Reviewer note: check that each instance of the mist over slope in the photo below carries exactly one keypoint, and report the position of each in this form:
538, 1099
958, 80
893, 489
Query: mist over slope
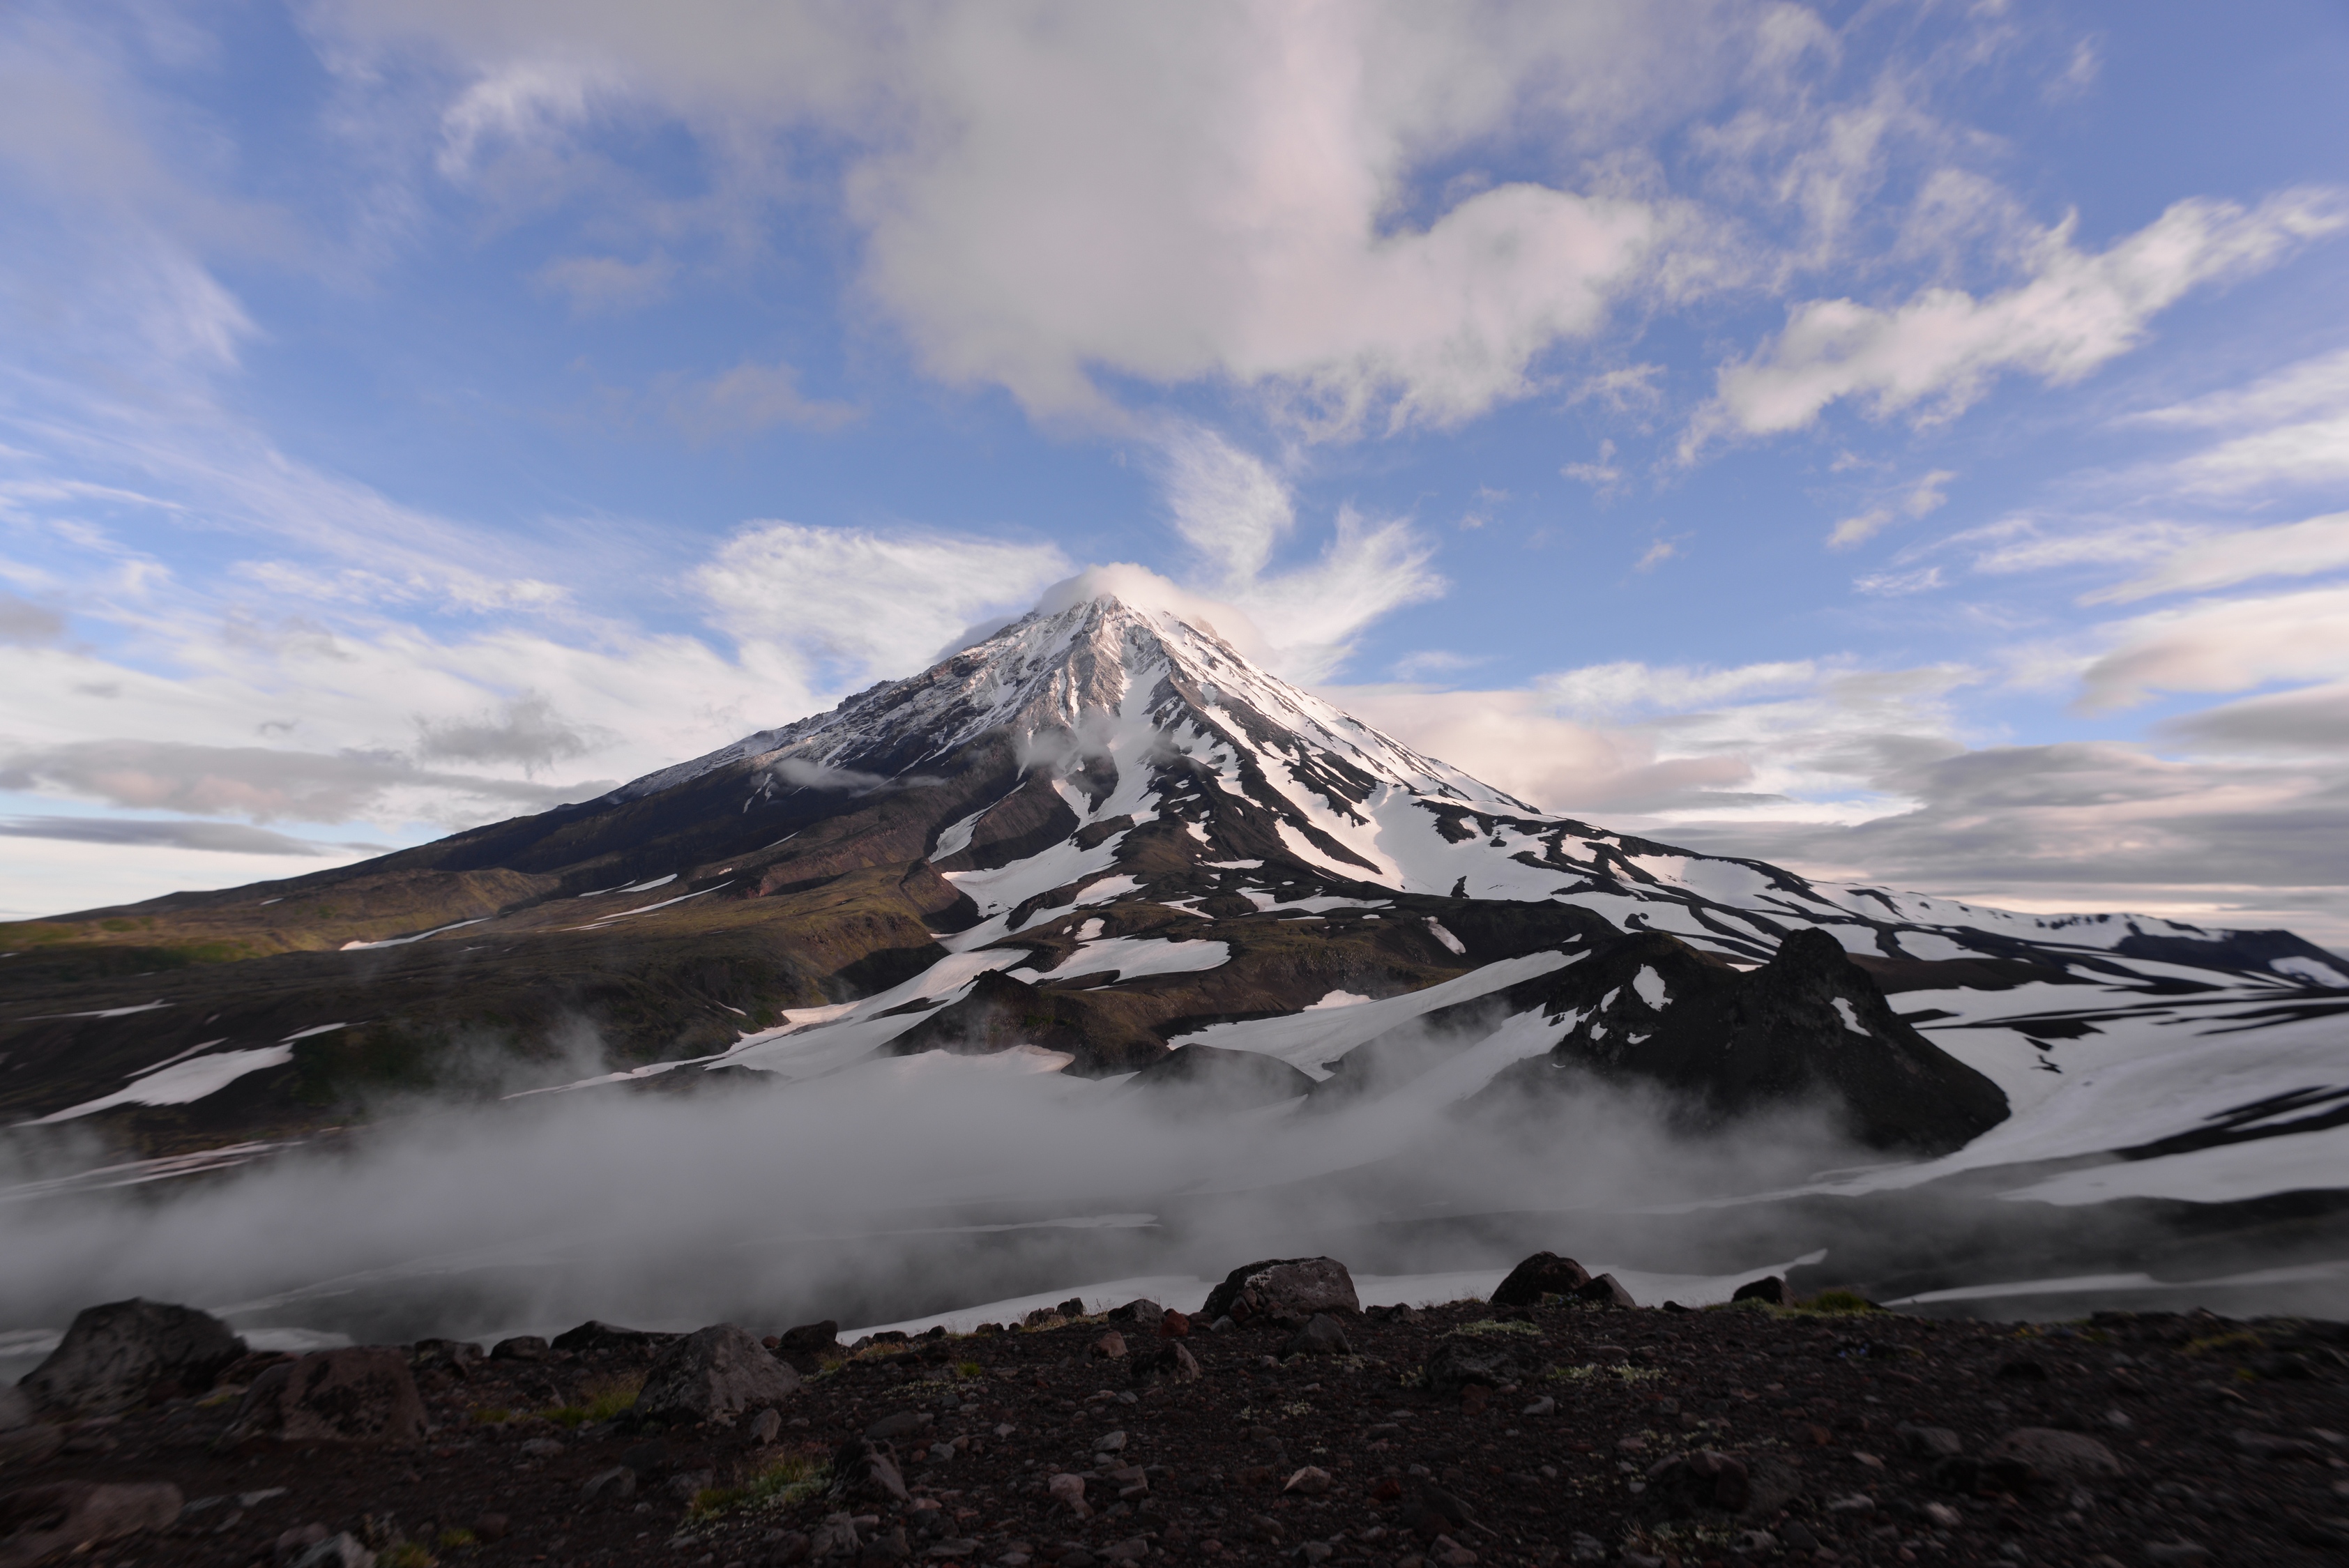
1094, 919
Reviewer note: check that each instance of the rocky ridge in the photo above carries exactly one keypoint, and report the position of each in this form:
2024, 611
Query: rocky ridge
1560, 1426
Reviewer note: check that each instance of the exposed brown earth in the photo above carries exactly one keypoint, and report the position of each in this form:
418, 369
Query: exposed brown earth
1467, 1433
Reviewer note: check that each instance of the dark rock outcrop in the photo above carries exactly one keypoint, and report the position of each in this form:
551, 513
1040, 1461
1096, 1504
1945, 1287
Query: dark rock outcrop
1288, 1287
714, 1373
115, 1356
1544, 1274
1455, 1364
361, 1394
1769, 1289
1649, 1009
1189, 1075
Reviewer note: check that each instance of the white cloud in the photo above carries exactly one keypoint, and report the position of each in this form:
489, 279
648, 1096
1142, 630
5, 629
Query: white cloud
746, 400
1226, 193
2220, 561
606, 284
1625, 686
1602, 476
1235, 511
1923, 499
2222, 645
2313, 721
2291, 429
1941, 351
1656, 554
879, 604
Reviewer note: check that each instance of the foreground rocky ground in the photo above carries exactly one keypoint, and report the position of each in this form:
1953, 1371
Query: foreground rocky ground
1565, 1430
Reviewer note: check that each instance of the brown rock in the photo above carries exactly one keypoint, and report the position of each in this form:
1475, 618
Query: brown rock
1110, 1347
67, 1515
362, 1395
1174, 1325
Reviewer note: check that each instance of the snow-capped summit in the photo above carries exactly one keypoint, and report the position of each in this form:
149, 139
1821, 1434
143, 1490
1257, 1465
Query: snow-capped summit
1077, 674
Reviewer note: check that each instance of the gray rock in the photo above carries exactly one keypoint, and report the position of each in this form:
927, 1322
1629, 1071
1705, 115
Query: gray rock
861, 1467
1142, 1312
335, 1552
1110, 1443
1167, 1361
714, 1373
541, 1449
615, 1481
1769, 1289
1929, 1442
66, 1515
114, 1355
2052, 1453
687, 1485
896, 1424
1323, 1335
1454, 1364
361, 1394
1606, 1291
1297, 1287
767, 1426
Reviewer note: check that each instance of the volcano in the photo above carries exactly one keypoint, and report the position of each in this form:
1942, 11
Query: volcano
1099, 836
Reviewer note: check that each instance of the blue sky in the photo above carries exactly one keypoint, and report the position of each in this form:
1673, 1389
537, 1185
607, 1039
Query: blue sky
1910, 442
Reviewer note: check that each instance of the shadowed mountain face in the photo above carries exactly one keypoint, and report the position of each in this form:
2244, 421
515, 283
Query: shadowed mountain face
1099, 835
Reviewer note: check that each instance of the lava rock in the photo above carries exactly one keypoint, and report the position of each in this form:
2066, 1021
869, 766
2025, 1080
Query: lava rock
1295, 1287
714, 1373
361, 1394
113, 1356
1544, 1274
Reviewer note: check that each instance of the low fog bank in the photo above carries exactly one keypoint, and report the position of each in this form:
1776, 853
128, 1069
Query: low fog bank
903, 1188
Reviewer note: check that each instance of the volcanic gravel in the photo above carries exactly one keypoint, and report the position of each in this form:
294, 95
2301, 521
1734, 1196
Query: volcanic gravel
2224, 1441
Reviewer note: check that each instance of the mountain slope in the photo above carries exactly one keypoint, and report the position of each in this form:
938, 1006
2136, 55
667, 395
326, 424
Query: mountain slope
1100, 833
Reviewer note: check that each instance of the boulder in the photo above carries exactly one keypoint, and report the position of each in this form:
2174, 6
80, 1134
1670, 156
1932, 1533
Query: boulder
521, 1348
807, 1347
714, 1373
115, 1356
1324, 1336
66, 1516
1606, 1291
1456, 1364
1142, 1312
1110, 1347
1544, 1274
1769, 1289
1292, 1287
361, 1394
